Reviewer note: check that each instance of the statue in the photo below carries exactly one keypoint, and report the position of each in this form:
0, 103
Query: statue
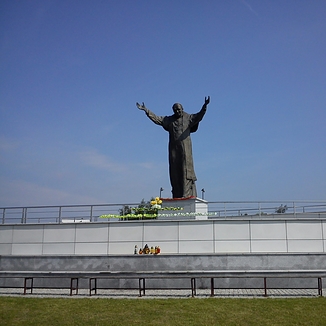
179, 126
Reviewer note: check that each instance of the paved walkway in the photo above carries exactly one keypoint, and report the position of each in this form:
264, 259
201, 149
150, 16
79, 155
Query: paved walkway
162, 294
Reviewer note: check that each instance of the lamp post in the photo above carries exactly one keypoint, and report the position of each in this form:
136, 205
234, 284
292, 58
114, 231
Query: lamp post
202, 193
161, 189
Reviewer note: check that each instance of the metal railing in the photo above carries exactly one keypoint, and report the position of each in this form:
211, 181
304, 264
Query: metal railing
57, 214
216, 209
267, 208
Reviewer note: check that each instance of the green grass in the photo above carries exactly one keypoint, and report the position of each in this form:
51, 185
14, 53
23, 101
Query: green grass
211, 311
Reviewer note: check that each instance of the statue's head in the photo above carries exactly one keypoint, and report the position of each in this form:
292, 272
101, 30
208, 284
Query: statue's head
177, 109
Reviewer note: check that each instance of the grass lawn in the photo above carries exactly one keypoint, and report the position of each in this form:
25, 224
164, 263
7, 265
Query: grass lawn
211, 311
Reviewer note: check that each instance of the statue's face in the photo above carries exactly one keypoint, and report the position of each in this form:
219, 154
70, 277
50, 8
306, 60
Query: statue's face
177, 109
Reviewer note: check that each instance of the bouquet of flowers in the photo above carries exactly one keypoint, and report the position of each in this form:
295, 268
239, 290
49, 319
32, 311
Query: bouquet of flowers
156, 203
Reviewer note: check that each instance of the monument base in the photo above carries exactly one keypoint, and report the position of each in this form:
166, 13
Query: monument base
192, 208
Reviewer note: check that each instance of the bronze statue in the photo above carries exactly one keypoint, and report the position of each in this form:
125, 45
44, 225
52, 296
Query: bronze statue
179, 126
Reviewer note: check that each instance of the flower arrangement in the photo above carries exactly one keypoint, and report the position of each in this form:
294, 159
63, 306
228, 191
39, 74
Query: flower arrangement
143, 211
146, 250
139, 216
156, 203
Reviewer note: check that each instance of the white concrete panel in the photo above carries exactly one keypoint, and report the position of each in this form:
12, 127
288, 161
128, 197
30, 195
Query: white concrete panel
27, 249
268, 246
59, 248
324, 248
87, 248
160, 231
196, 230
231, 230
5, 248
6, 234
187, 247
125, 231
232, 246
304, 230
305, 246
168, 247
28, 233
59, 233
92, 232
121, 248
268, 231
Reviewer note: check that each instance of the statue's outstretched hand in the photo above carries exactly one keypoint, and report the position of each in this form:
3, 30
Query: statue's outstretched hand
141, 106
207, 100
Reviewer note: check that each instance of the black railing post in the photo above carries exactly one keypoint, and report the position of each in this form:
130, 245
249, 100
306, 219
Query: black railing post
60, 219
91, 215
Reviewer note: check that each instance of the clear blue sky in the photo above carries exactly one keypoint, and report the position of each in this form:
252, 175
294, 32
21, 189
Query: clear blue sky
72, 70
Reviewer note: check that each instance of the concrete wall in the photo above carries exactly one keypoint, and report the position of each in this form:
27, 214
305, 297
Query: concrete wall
179, 262
166, 263
260, 235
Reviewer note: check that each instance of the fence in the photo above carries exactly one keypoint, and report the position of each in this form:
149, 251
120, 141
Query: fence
216, 209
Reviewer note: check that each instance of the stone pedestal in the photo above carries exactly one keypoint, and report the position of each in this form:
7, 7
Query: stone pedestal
193, 208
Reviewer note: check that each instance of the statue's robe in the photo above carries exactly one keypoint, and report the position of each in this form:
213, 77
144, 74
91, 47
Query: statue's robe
181, 166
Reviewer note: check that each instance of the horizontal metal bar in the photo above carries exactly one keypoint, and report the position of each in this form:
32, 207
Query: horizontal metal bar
169, 274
